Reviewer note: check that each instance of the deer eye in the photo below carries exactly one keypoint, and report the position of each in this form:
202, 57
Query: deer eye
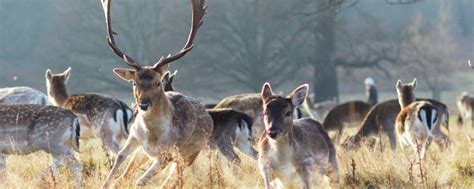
288, 113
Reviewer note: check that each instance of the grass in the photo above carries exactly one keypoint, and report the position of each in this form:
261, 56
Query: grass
364, 168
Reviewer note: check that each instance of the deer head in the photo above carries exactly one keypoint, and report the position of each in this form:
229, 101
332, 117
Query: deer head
56, 86
406, 92
278, 110
148, 82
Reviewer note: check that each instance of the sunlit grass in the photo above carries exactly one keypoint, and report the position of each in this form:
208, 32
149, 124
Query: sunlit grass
453, 168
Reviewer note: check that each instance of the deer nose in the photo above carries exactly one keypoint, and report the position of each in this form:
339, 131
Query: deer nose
144, 106
272, 133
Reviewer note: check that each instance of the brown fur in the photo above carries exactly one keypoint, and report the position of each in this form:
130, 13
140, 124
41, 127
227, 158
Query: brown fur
293, 150
465, 104
96, 111
346, 113
173, 123
382, 119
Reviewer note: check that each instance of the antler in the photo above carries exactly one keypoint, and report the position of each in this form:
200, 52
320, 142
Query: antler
110, 37
199, 10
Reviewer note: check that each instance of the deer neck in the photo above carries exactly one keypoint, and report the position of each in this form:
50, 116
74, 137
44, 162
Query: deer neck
283, 142
57, 94
405, 99
160, 113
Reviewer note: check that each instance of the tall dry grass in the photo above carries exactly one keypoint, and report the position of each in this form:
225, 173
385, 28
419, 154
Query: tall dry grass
367, 167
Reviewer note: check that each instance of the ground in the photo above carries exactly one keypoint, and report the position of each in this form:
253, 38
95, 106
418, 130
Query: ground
378, 167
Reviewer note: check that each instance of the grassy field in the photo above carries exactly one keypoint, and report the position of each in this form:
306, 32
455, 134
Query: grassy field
364, 168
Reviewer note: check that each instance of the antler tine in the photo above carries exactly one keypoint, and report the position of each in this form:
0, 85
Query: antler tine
110, 37
199, 10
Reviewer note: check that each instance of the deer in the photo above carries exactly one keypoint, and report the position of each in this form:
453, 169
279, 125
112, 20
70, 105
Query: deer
296, 152
169, 126
250, 104
22, 95
344, 114
101, 116
381, 121
465, 104
415, 121
232, 129
28, 128
319, 110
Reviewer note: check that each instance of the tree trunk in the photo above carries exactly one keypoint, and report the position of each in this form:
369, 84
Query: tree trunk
325, 82
325, 72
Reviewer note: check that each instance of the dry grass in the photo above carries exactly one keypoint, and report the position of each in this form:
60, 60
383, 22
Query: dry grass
363, 168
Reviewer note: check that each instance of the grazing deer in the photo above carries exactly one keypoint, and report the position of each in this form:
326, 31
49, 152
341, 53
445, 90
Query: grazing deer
344, 114
29, 128
465, 104
101, 116
22, 95
319, 110
231, 129
415, 121
169, 126
381, 119
293, 151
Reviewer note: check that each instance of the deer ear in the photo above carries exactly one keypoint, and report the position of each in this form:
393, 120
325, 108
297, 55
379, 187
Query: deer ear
399, 84
125, 74
413, 83
66, 74
165, 78
48, 74
266, 91
299, 94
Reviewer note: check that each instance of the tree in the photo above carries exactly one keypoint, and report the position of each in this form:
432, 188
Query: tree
427, 52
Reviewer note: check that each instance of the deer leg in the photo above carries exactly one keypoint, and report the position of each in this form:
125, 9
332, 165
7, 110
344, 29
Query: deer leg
138, 159
171, 170
307, 175
74, 165
150, 172
227, 150
130, 145
392, 137
266, 172
54, 168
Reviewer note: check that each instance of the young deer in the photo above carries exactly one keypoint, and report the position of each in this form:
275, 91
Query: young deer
29, 128
250, 104
169, 126
231, 129
22, 95
351, 112
101, 116
415, 121
381, 119
465, 104
293, 151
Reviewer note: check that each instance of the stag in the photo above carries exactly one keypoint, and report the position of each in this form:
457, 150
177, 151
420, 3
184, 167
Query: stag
169, 126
